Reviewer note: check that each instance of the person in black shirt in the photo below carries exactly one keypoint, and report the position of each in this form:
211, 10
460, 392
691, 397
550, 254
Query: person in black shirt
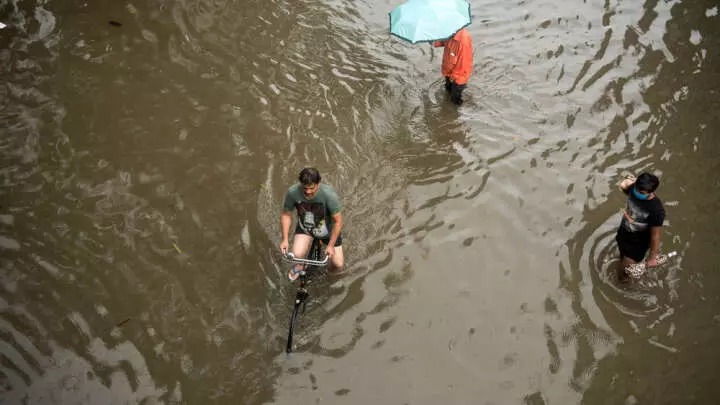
641, 224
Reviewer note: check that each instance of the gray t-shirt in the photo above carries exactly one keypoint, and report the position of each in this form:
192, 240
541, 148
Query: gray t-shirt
315, 215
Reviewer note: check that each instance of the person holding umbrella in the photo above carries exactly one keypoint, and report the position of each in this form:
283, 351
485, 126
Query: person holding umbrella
442, 23
457, 63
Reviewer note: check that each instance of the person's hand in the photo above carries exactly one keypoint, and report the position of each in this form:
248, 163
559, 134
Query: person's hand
330, 251
626, 183
651, 262
284, 245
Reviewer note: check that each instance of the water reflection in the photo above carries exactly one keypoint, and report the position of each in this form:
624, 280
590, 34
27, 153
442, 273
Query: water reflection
40, 370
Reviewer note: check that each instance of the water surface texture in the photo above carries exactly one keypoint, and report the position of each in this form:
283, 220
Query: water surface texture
146, 148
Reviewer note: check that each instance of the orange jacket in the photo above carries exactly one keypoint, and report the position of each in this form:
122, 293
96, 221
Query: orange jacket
458, 56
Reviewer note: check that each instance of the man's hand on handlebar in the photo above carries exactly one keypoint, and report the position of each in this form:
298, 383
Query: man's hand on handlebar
284, 245
330, 251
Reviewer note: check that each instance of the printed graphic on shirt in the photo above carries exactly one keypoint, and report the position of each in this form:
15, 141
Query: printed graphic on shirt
636, 218
312, 220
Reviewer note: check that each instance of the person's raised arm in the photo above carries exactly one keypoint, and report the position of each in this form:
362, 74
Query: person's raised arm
626, 184
439, 44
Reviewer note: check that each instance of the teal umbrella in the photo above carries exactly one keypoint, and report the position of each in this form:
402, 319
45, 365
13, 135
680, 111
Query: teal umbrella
429, 20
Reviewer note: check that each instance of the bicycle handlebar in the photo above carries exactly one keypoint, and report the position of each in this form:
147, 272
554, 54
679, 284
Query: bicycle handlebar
289, 256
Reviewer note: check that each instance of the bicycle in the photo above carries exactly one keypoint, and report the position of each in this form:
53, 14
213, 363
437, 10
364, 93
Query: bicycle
313, 262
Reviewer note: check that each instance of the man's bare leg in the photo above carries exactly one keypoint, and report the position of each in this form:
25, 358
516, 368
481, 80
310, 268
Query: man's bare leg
337, 263
300, 248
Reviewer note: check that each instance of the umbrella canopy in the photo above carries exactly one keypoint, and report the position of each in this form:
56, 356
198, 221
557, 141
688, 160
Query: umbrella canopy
429, 20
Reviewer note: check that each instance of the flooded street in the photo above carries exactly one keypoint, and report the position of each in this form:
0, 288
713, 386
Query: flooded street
147, 147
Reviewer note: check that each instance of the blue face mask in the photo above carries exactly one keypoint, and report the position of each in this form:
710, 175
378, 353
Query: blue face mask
640, 196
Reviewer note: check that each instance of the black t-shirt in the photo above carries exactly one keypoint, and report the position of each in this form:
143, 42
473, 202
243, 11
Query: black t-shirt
641, 215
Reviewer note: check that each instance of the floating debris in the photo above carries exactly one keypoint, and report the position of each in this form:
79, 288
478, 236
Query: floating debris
177, 248
2, 25
115, 23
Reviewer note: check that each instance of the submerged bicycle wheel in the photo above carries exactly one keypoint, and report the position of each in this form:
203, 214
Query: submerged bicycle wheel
302, 295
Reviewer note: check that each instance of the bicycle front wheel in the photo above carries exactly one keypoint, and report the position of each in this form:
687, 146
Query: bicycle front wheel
293, 318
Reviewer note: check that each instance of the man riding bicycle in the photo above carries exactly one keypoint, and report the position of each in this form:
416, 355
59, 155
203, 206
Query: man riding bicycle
318, 208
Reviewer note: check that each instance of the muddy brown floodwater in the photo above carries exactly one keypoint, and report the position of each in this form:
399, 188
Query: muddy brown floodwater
146, 148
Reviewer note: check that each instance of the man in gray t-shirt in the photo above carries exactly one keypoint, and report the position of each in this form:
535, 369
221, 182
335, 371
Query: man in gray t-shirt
318, 208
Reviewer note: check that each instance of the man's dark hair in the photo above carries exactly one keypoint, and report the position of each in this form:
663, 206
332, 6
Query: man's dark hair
309, 175
647, 182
